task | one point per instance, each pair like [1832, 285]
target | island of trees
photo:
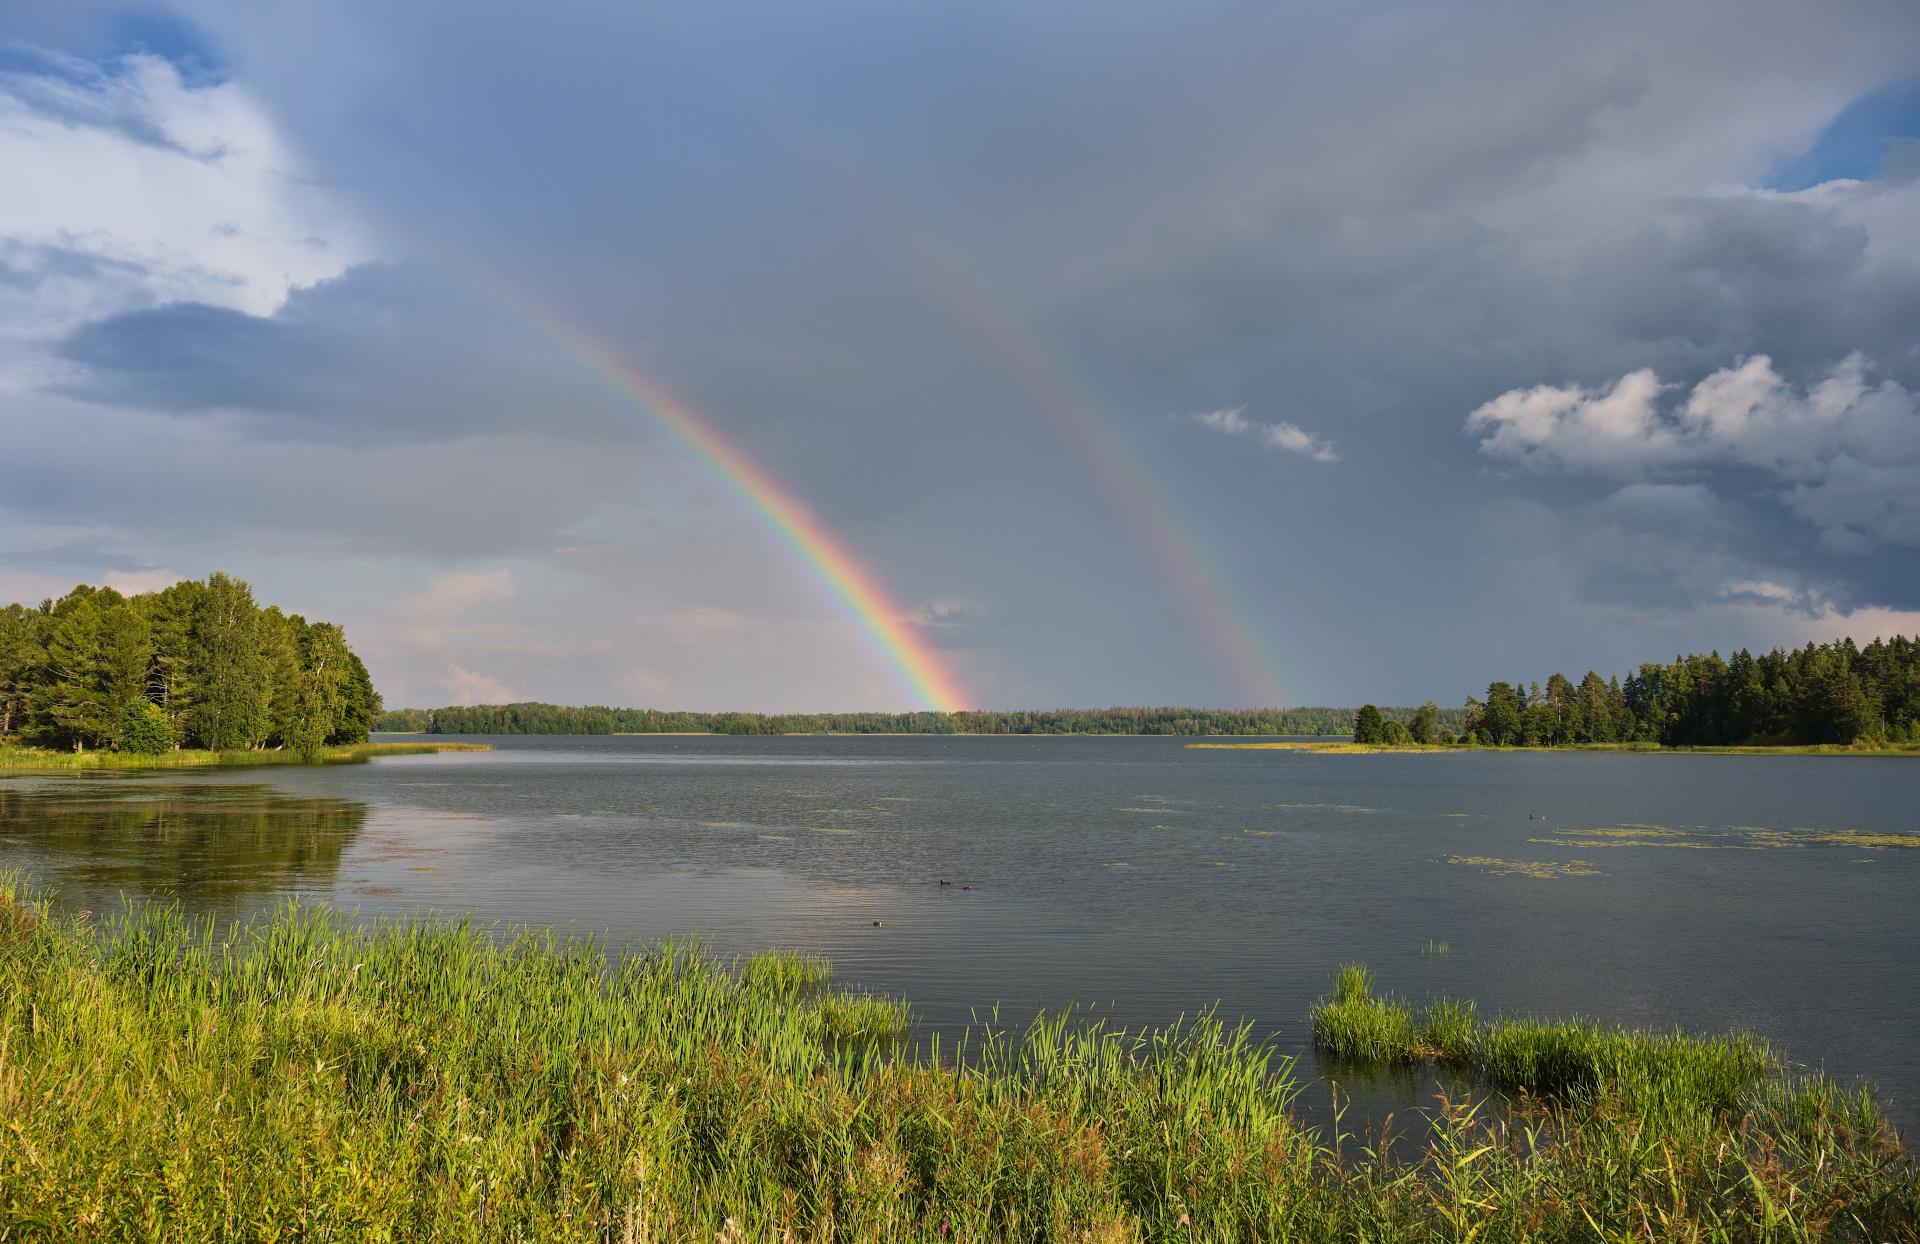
[560, 719]
[196, 665]
[1822, 694]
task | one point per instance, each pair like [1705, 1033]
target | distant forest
[559, 719]
[1835, 693]
[195, 665]
[1820, 694]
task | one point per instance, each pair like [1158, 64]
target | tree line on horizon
[197, 664]
[1833, 693]
[538, 718]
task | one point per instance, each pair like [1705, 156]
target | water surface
[1134, 874]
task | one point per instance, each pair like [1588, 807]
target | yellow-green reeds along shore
[15, 759]
[304, 1077]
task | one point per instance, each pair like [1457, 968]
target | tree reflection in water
[210, 846]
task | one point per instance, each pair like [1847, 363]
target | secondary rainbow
[1185, 560]
[920, 667]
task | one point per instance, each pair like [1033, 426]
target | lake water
[1130, 873]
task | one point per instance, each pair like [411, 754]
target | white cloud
[465, 686]
[1288, 437]
[1758, 589]
[1845, 451]
[129, 185]
[1232, 421]
[1294, 440]
[1607, 431]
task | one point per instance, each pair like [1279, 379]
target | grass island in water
[305, 1077]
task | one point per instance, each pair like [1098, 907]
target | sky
[1231, 354]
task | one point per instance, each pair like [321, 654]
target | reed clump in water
[784, 973]
[1352, 1025]
[1652, 1072]
[306, 1077]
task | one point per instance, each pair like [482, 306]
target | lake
[1132, 874]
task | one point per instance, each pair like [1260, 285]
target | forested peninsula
[198, 665]
[560, 719]
[1823, 695]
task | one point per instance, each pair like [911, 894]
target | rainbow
[920, 666]
[1182, 556]
[1184, 559]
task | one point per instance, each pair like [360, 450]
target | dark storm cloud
[849, 232]
[383, 353]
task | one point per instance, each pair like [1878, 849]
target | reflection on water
[1129, 875]
[208, 844]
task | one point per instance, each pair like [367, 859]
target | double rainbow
[921, 668]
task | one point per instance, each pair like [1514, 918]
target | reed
[784, 973]
[1449, 1031]
[1655, 1073]
[1352, 1025]
[306, 1077]
[15, 759]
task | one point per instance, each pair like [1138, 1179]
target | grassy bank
[42, 760]
[1340, 747]
[305, 1078]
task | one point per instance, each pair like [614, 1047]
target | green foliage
[1447, 1029]
[1834, 694]
[223, 674]
[1425, 727]
[230, 666]
[1656, 1073]
[146, 732]
[1351, 1025]
[1496, 723]
[431, 1080]
[783, 973]
[1369, 726]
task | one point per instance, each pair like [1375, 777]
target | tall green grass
[784, 973]
[1652, 1073]
[1352, 1025]
[15, 759]
[304, 1077]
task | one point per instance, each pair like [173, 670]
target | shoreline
[44, 760]
[1635, 749]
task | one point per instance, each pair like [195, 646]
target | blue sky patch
[1855, 143]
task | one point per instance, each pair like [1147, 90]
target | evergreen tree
[1500, 724]
[1592, 713]
[20, 647]
[1368, 725]
[196, 662]
[145, 730]
[170, 614]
